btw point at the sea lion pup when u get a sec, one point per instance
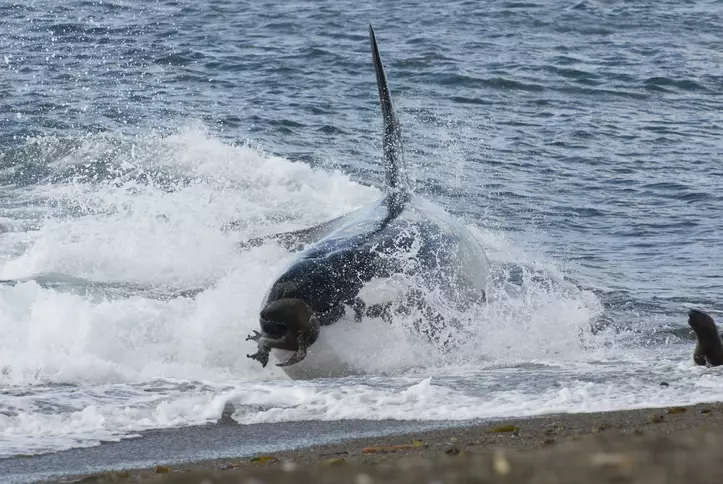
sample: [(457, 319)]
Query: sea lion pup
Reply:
[(288, 325), (709, 347), (401, 236)]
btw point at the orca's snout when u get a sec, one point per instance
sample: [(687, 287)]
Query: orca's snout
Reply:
[(284, 315), (273, 329), (289, 324)]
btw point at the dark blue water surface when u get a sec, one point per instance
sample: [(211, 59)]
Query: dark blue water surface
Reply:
[(595, 124)]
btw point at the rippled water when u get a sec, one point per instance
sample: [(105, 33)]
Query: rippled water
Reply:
[(578, 140)]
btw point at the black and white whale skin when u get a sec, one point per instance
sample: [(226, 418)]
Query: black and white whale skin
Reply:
[(401, 235)]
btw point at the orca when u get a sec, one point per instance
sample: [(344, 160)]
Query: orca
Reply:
[(401, 234)]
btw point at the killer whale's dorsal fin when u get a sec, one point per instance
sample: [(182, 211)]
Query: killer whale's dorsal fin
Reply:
[(396, 176)]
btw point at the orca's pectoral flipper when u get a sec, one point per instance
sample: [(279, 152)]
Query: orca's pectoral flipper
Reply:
[(295, 240), (396, 176)]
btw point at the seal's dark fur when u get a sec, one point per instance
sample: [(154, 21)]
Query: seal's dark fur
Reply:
[(709, 348)]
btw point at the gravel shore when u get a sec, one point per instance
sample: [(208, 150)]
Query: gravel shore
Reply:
[(678, 444)]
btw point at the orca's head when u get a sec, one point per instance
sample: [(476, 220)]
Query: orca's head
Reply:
[(309, 294), (289, 324)]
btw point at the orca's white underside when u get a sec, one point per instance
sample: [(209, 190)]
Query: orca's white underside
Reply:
[(348, 348)]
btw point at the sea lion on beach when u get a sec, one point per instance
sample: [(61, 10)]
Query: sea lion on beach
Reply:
[(401, 234), (709, 346)]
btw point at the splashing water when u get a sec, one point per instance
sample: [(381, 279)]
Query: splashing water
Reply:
[(131, 304)]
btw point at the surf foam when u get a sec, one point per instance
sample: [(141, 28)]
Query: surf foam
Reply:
[(132, 275)]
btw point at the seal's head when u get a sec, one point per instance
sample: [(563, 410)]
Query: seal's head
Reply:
[(702, 324), (291, 322), (287, 324)]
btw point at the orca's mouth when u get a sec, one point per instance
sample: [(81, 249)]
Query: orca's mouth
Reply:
[(273, 329), (289, 324)]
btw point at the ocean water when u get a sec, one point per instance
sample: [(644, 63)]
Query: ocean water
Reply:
[(140, 142)]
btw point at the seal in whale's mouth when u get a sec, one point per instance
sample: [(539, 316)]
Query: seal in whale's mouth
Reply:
[(286, 324)]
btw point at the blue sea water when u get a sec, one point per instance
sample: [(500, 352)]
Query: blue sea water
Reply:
[(579, 140)]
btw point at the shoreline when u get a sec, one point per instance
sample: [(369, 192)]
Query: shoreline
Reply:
[(633, 445)]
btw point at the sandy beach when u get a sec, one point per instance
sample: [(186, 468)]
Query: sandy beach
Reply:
[(675, 444)]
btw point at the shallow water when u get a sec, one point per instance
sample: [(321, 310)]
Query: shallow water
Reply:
[(579, 141)]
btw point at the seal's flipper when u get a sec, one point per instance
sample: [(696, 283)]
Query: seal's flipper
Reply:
[(698, 356), (298, 355), (396, 176), (256, 336), (295, 240), (262, 356)]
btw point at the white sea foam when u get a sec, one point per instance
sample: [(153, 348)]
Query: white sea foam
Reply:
[(108, 413), (133, 291)]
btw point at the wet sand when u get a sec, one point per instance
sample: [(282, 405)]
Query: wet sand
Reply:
[(678, 444)]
